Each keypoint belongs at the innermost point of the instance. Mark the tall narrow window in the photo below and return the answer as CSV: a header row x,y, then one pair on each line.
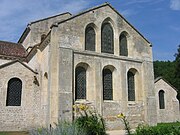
x,y
14,92
123,45
90,39
80,83
107,39
107,85
131,86
161,100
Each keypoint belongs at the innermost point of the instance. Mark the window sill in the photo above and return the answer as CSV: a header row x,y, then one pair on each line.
x,y
82,101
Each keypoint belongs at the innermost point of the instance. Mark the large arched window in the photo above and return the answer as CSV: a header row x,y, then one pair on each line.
x,y
161,100
90,39
123,45
14,92
107,39
107,85
80,83
131,86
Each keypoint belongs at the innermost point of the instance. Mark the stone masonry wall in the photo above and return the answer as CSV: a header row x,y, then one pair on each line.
x,y
171,113
28,115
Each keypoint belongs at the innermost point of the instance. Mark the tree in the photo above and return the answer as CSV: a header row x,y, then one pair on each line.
x,y
177,61
169,71
177,71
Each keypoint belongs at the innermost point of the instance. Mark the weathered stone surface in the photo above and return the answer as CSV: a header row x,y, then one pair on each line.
x,y
171,111
49,95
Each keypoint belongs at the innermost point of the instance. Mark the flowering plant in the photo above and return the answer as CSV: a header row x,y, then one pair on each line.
x,y
125,121
88,119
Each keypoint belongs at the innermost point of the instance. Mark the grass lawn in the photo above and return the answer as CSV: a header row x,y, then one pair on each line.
x,y
13,133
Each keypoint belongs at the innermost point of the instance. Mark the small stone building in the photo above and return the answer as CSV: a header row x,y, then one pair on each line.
x,y
94,57
167,103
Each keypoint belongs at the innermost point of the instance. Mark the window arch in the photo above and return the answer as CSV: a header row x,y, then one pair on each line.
x,y
161,100
90,39
107,85
123,50
131,86
80,83
14,92
107,38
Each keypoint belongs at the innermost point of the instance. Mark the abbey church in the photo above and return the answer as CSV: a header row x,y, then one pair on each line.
x,y
95,57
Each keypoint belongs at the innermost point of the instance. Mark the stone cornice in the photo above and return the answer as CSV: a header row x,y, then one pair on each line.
x,y
109,56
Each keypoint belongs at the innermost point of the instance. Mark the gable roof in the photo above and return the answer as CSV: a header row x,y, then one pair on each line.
x,y
27,30
15,50
97,7
161,78
15,61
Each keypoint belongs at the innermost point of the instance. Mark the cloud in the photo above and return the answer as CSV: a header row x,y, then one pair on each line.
x,y
128,12
175,4
16,14
143,1
175,28
137,1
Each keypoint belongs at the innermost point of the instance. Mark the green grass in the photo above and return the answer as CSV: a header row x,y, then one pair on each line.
x,y
169,124
3,133
160,129
14,133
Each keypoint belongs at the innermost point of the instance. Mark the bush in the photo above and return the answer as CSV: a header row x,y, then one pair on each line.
x,y
160,129
87,122
90,121
62,128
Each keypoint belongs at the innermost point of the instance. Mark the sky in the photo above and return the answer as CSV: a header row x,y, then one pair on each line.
x,y
157,20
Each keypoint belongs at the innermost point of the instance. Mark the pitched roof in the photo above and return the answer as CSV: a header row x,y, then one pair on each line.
x,y
17,61
160,77
12,49
27,30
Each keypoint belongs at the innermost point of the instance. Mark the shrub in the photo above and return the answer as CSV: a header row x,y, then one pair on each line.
x,y
89,120
62,128
160,129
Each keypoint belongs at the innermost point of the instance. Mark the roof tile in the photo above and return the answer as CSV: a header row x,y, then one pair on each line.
x,y
12,49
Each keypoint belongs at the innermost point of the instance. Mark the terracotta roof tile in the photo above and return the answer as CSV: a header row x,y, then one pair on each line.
x,y
12,49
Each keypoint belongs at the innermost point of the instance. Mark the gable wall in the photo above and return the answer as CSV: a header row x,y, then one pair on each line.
x,y
72,33
171,111
68,38
41,27
30,113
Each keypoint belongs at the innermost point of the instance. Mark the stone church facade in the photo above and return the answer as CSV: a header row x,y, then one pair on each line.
x,y
95,57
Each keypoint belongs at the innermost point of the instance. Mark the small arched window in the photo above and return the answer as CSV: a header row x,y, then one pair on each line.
x,y
90,39
161,100
107,85
123,45
131,86
80,83
107,39
14,92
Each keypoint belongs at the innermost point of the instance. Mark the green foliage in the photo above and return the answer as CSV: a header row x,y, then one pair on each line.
x,y
14,133
126,122
62,128
87,123
168,71
3,133
160,129
92,123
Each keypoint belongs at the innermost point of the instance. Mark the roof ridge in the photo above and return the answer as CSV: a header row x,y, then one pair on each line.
x,y
84,11
160,77
99,6
14,61
42,19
